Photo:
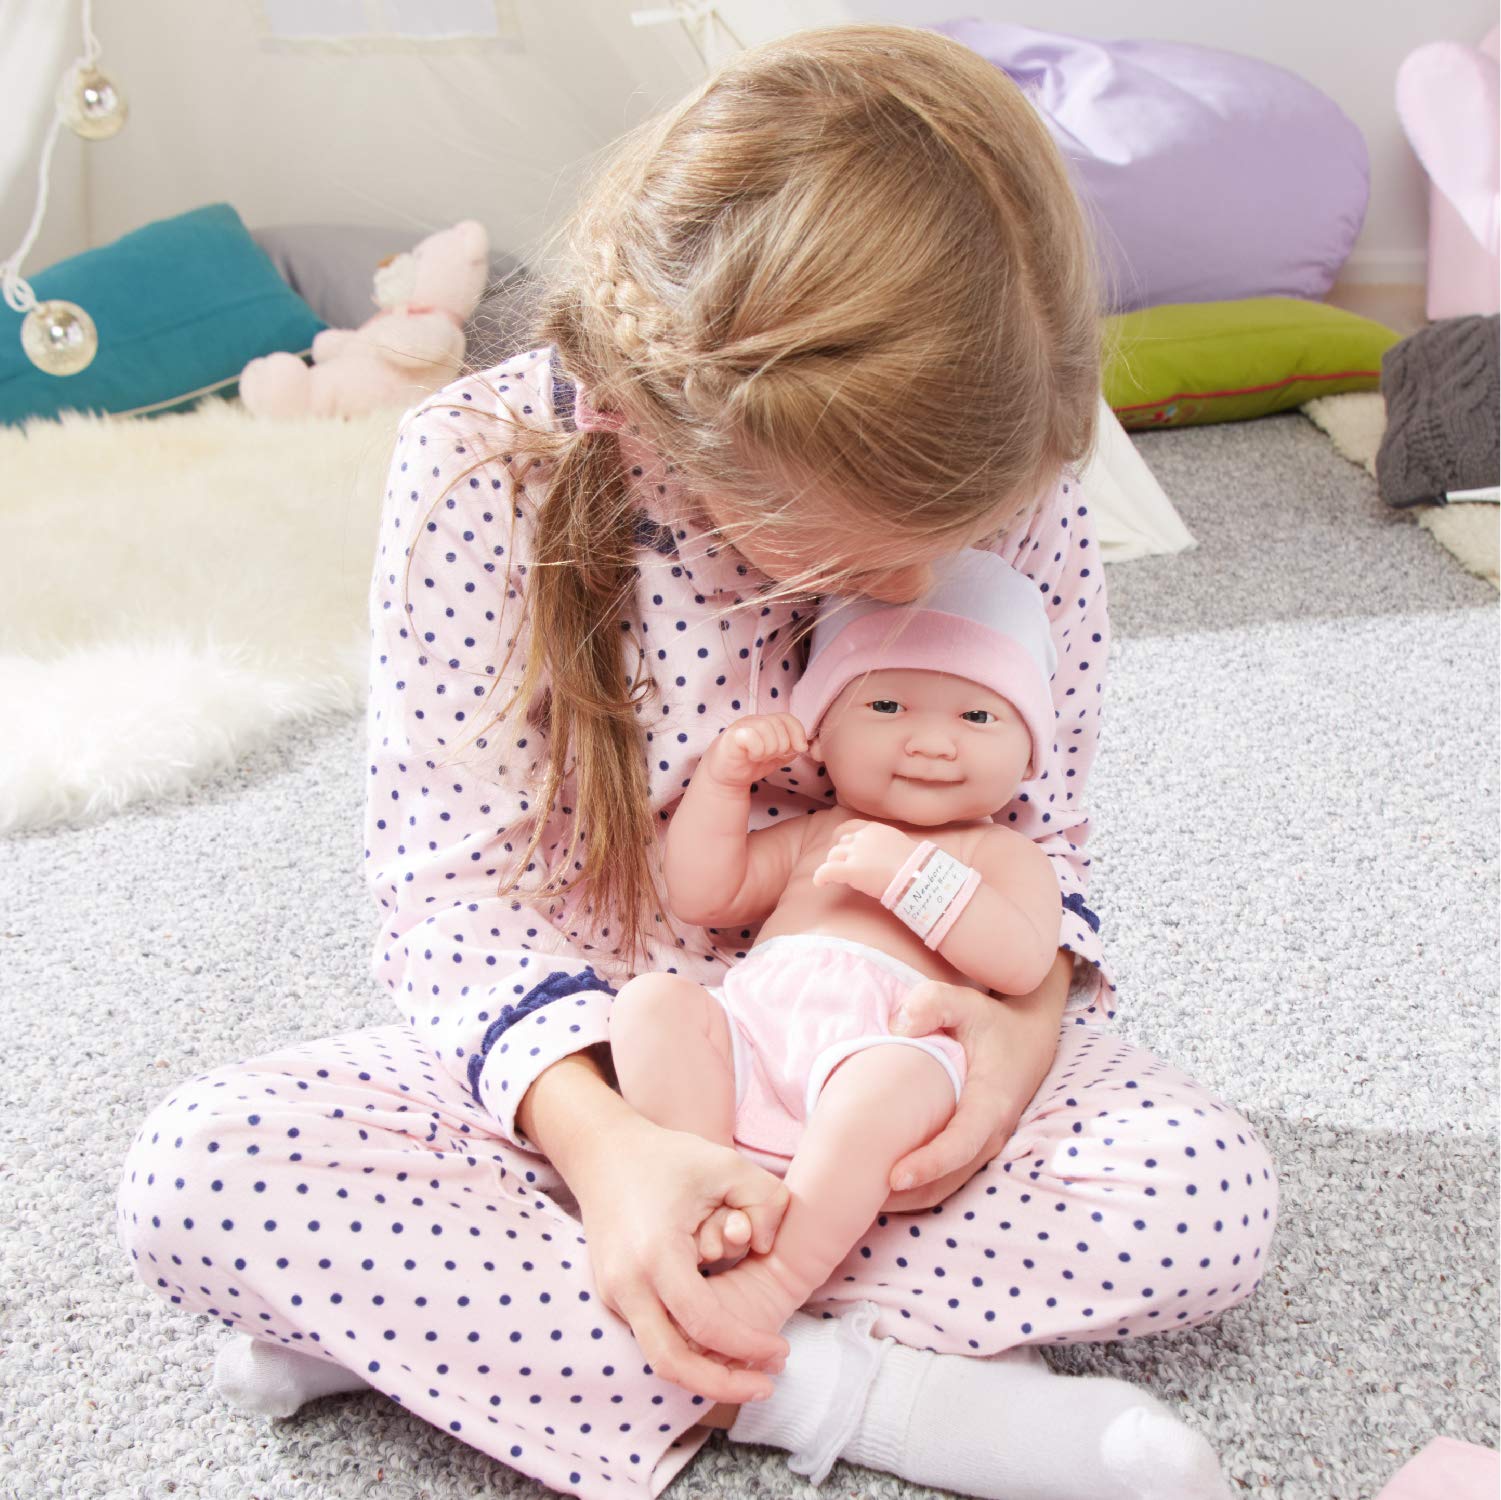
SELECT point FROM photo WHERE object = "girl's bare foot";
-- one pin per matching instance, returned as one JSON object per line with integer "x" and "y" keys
{"x": 722, "y": 1416}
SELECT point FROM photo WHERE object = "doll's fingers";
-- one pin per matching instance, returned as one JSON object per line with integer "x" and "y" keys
{"x": 737, "y": 1227}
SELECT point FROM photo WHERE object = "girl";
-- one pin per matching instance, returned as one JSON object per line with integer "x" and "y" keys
{"x": 838, "y": 318}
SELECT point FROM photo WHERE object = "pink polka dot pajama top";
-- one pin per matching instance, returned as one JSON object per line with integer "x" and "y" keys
{"x": 369, "y": 1196}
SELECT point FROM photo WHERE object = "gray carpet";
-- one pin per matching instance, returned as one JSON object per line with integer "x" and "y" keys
{"x": 1296, "y": 868}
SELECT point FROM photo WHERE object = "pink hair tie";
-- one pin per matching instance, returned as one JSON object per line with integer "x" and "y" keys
{"x": 588, "y": 418}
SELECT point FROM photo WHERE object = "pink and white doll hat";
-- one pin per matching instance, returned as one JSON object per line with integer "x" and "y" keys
{"x": 980, "y": 619}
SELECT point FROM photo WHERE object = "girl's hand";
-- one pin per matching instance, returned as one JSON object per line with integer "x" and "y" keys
{"x": 752, "y": 746}
{"x": 1008, "y": 1055}
{"x": 866, "y": 856}
{"x": 643, "y": 1199}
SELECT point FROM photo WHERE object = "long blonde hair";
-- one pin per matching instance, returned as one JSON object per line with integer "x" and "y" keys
{"x": 850, "y": 262}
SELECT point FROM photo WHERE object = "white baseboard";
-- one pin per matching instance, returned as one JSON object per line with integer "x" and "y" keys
{"x": 1385, "y": 268}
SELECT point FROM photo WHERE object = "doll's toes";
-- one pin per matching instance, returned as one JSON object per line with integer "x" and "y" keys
{"x": 710, "y": 1245}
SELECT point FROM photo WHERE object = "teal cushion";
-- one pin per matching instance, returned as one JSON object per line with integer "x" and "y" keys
{"x": 181, "y": 306}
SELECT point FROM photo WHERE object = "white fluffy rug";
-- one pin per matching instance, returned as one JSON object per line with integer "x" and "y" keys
{"x": 179, "y": 590}
{"x": 175, "y": 592}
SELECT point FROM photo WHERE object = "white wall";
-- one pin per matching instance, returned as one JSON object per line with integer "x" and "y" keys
{"x": 423, "y": 139}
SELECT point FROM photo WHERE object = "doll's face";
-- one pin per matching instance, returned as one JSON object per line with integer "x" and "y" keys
{"x": 915, "y": 746}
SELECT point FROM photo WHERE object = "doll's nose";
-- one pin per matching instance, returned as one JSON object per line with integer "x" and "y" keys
{"x": 931, "y": 742}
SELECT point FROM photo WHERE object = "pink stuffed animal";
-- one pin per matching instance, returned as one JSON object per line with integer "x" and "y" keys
{"x": 414, "y": 345}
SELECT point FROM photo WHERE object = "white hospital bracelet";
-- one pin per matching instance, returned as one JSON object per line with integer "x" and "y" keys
{"x": 938, "y": 882}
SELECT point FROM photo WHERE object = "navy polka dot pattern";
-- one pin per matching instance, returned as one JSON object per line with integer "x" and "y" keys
{"x": 368, "y": 1195}
{"x": 348, "y": 1196}
{"x": 444, "y": 800}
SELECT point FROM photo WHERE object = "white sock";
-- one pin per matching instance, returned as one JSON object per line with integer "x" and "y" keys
{"x": 273, "y": 1380}
{"x": 1006, "y": 1428}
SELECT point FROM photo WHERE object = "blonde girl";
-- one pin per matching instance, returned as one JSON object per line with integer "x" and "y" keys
{"x": 831, "y": 318}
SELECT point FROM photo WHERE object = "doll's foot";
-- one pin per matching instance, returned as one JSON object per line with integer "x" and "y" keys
{"x": 761, "y": 1290}
{"x": 723, "y": 1240}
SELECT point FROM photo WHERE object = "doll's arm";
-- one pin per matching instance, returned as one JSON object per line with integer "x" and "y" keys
{"x": 1007, "y": 935}
{"x": 771, "y": 854}
{"x": 716, "y": 873}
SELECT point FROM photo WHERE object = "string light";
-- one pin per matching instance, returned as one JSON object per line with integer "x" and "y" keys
{"x": 59, "y": 337}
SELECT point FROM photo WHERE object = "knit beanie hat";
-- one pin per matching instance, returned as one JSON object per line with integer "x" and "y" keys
{"x": 980, "y": 620}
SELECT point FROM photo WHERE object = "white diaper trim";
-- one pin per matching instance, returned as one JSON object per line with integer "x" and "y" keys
{"x": 736, "y": 1046}
{"x": 830, "y": 940}
{"x": 831, "y": 1057}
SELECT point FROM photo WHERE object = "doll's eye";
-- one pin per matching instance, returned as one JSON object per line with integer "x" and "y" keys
{"x": 885, "y": 705}
{"x": 970, "y": 711}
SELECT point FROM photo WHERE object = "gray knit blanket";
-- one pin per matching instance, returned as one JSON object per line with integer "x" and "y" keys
{"x": 1443, "y": 389}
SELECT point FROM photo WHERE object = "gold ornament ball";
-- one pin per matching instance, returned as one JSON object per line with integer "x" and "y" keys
{"x": 90, "y": 104}
{"x": 59, "y": 338}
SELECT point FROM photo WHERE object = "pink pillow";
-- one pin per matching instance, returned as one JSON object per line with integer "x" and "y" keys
{"x": 1447, "y": 1470}
{"x": 1447, "y": 98}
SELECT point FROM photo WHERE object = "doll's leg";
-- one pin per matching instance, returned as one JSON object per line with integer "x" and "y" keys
{"x": 670, "y": 1046}
{"x": 878, "y": 1104}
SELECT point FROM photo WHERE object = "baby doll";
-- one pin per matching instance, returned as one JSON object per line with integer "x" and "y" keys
{"x": 927, "y": 718}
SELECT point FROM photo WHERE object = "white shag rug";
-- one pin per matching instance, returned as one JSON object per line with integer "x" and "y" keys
{"x": 180, "y": 590}
{"x": 176, "y": 591}
{"x": 1471, "y": 530}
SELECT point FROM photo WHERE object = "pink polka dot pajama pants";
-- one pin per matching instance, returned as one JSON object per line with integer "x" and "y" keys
{"x": 344, "y": 1196}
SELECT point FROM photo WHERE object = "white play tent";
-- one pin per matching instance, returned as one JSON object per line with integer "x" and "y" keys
{"x": 378, "y": 112}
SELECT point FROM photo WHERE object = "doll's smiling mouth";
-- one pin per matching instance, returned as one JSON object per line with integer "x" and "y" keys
{"x": 931, "y": 780}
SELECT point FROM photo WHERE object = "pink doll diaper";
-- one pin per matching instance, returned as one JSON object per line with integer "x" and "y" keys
{"x": 798, "y": 1005}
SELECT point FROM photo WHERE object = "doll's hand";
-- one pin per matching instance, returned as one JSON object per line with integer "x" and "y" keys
{"x": 752, "y": 746}
{"x": 866, "y": 856}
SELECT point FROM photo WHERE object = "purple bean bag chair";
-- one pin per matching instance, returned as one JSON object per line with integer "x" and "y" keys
{"x": 1210, "y": 176}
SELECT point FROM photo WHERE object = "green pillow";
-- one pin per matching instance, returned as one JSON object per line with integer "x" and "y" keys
{"x": 1190, "y": 362}
{"x": 181, "y": 306}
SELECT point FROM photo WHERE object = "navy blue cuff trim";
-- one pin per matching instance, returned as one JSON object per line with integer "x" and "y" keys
{"x": 544, "y": 992}
{"x": 1076, "y": 905}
